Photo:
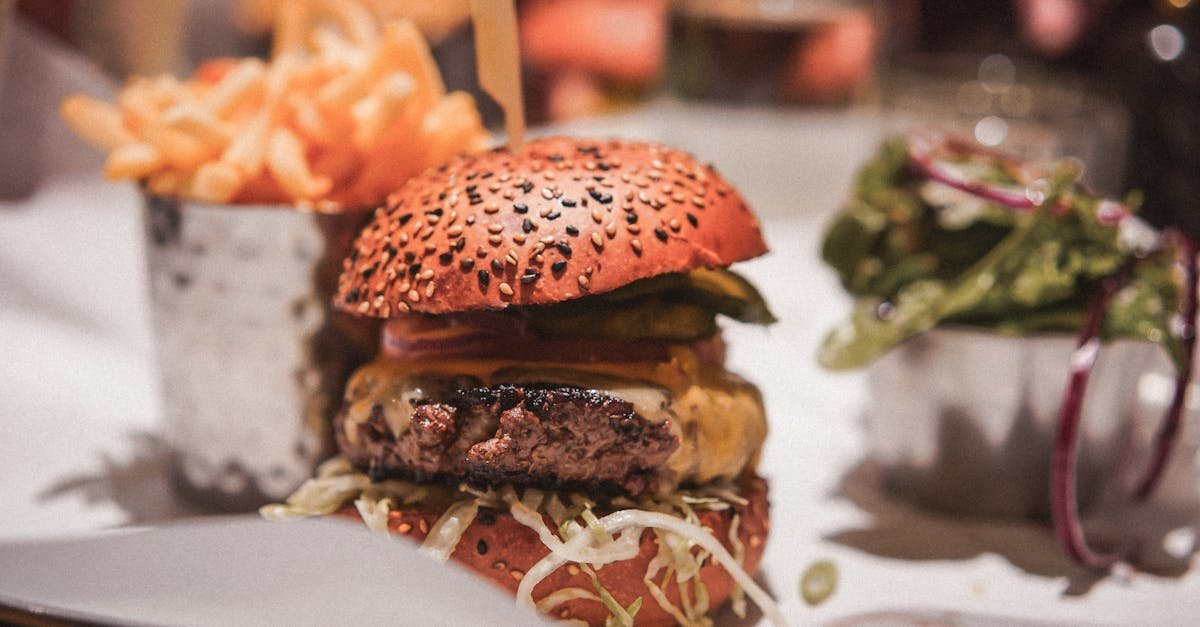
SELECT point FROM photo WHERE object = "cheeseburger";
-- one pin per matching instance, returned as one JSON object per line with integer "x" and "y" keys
{"x": 550, "y": 407}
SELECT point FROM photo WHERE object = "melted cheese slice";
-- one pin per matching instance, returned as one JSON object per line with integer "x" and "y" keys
{"x": 717, "y": 416}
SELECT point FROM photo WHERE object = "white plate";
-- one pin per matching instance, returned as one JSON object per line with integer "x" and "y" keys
{"x": 246, "y": 571}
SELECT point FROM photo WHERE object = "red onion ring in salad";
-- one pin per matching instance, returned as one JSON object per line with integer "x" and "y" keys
{"x": 1169, "y": 431}
{"x": 1063, "y": 499}
{"x": 921, "y": 153}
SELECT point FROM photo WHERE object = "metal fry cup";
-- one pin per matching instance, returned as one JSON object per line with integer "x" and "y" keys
{"x": 252, "y": 355}
{"x": 963, "y": 421}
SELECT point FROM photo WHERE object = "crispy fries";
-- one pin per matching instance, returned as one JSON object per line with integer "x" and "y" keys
{"x": 345, "y": 111}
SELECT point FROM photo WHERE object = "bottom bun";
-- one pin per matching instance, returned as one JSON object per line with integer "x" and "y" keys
{"x": 502, "y": 550}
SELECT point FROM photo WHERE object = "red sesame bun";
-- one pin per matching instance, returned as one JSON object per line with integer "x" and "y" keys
{"x": 559, "y": 219}
{"x": 502, "y": 550}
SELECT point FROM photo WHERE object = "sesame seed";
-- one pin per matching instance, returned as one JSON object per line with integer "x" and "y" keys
{"x": 495, "y": 240}
{"x": 553, "y": 215}
{"x": 518, "y": 238}
{"x": 637, "y": 246}
{"x": 364, "y": 307}
{"x": 558, "y": 266}
{"x": 497, "y": 266}
{"x": 430, "y": 247}
{"x": 470, "y": 220}
{"x": 511, "y": 258}
{"x": 516, "y": 574}
{"x": 530, "y": 275}
{"x": 491, "y": 208}
{"x": 678, "y": 197}
{"x": 506, "y": 289}
{"x": 674, "y": 224}
{"x": 547, "y": 193}
{"x": 583, "y": 281}
{"x": 597, "y": 216}
{"x": 692, "y": 220}
{"x": 429, "y": 289}
{"x": 597, "y": 241}
{"x": 549, "y": 239}
{"x": 611, "y": 229}
{"x": 564, "y": 248}
{"x": 634, "y": 228}
{"x": 455, "y": 230}
{"x": 527, "y": 225}
{"x": 414, "y": 296}
{"x": 403, "y": 307}
{"x": 521, "y": 207}
{"x": 466, "y": 264}
{"x": 483, "y": 277}
{"x": 544, "y": 211}
{"x": 404, "y": 528}
{"x": 660, "y": 234}
{"x": 426, "y": 275}
{"x": 539, "y": 259}
{"x": 446, "y": 257}
{"x": 698, "y": 201}
{"x": 567, "y": 202}
{"x": 495, "y": 228}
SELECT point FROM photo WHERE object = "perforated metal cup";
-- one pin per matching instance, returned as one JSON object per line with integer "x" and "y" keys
{"x": 252, "y": 355}
{"x": 964, "y": 421}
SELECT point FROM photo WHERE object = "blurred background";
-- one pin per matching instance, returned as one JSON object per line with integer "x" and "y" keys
{"x": 1113, "y": 82}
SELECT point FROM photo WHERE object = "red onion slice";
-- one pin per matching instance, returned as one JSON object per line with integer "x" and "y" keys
{"x": 921, "y": 149}
{"x": 1169, "y": 431}
{"x": 1064, "y": 503}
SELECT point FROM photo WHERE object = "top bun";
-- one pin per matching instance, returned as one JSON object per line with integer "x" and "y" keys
{"x": 559, "y": 219}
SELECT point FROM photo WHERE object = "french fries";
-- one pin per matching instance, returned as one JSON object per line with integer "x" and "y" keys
{"x": 342, "y": 114}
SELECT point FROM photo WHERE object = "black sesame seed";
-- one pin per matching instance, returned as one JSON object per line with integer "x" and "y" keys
{"x": 603, "y": 166}
{"x": 660, "y": 234}
{"x": 558, "y": 266}
{"x": 497, "y": 266}
{"x": 446, "y": 257}
{"x": 442, "y": 196}
{"x": 471, "y": 189}
{"x": 409, "y": 256}
{"x": 414, "y": 269}
{"x": 563, "y": 248}
{"x": 553, "y": 215}
{"x": 471, "y": 176}
{"x": 352, "y": 296}
{"x": 692, "y": 220}
{"x": 467, "y": 264}
{"x": 555, "y": 158}
{"x": 486, "y": 175}
{"x": 474, "y": 200}
{"x": 391, "y": 250}
{"x": 527, "y": 187}
{"x": 521, "y": 207}
{"x": 527, "y": 225}
{"x": 631, "y": 217}
{"x": 405, "y": 218}
{"x": 367, "y": 272}
{"x": 483, "y": 277}
{"x": 571, "y": 230}
{"x": 531, "y": 275}
{"x": 434, "y": 212}
{"x": 567, "y": 202}
{"x": 459, "y": 243}
{"x": 481, "y": 547}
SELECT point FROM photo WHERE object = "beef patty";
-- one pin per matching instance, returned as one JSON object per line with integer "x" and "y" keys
{"x": 542, "y": 434}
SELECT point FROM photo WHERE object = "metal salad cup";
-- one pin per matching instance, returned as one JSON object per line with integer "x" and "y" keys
{"x": 252, "y": 355}
{"x": 963, "y": 421}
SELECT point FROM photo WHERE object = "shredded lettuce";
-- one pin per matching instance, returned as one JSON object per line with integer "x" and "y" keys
{"x": 448, "y": 530}
{"x": 582, "y": 537}
{"x": 738, "y": 597}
